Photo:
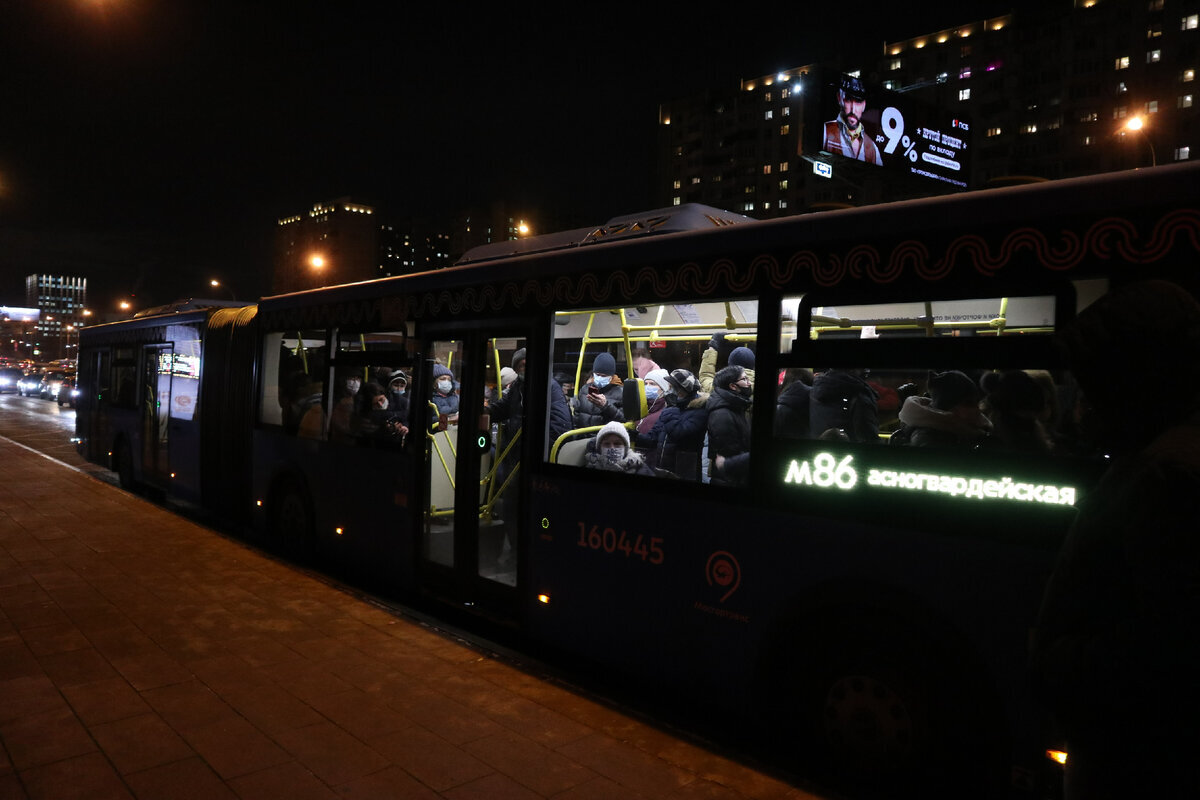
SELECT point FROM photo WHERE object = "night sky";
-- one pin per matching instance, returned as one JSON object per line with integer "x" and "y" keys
{"x": 150, "y": 145}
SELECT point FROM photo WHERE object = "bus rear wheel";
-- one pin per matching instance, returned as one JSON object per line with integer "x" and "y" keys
{"x": 291, "y": 520}
{"x": 123, "y": 465}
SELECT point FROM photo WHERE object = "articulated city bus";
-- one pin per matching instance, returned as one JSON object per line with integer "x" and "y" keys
{"x": 856, "y": 604}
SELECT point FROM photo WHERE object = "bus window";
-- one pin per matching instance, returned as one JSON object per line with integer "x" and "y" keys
{"x": 668, "y": 435}
{"x": 294, "y": 369}
{"x": 124, "y": 377}
{"x": 185, "y": 370}
{"x": 371, "y": 392}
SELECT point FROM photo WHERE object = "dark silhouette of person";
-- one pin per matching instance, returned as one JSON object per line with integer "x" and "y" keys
{"x": 1116, "y": 649}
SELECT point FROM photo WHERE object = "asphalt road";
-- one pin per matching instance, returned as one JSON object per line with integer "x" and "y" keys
{"x": 44, "y": 426}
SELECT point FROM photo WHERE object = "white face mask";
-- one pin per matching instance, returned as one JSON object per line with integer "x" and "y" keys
{"x": 613, "y": 454}
{"x": 352, "y": 386}
{"x": 443, "y": 386}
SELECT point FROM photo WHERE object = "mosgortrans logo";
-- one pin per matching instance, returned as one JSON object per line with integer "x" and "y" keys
{"x": 827, "y": 471}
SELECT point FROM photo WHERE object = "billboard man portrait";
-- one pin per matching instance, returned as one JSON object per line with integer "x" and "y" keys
{"x": 845, "y": 135}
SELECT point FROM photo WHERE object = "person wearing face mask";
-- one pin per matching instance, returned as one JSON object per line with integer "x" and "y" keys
{"x": 444, "y": 396}
{"x": 729, "y": 425}
{"x": 343, "y": 419}
{"x": 397, "y": 393}
{"x": 610, "y": 450}
{"x": 678, "y": 435}
{"x": 657, "y": 392}
{"x": 599, "y": 400}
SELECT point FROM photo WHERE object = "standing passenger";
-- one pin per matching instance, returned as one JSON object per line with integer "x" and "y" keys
{"x": 599, "y": 400}
{"x": 679, "y": 433}
{"x": 729, "y": 425}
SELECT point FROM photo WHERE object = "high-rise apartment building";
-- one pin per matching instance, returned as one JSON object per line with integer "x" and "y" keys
{"x": 333, "y": 242}
{"x": 1045, "y": 93}
{"x": 61, "y": 301}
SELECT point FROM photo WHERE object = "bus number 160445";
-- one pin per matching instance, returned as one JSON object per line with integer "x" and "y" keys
{"x": 611, "y": 541}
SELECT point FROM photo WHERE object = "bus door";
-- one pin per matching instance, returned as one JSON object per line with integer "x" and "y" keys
{"x": 470, "y": 544}
{"x": 156, "y": 403}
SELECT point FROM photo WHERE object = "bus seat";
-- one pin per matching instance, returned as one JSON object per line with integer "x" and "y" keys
{"x": 572, "y": 453}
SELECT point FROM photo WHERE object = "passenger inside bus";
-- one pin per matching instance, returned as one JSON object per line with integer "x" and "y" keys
{"x": 599, "y": 399}
{"x": 729, "y": 425}
{"x": 343, "y": 419}
{"x": 676, "y": 441}
{"x": 843, "y": 400}
{"x": 1018, "y": 407}
{"x": 445, "y": 394}
{"x": 610, "y": 451}
{"x": 949, "y": 417}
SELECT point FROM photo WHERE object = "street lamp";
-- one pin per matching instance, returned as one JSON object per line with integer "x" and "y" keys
{"x": 1138, "y": 125}
{"x": 216, "y": 284}
{"x": 316, "y": 261}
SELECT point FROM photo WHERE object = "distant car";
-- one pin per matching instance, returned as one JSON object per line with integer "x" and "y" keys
{"x": 9, "y": 378}
{"x": 30, "y": 385}
{"x": 68, "y": 391}
{"x": 50, "y": 385}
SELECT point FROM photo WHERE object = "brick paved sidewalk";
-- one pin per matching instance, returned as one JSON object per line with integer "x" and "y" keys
{"x": 142, "y": 655}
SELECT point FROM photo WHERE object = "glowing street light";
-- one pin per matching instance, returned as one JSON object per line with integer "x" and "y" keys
{"x": 316, "y": 261}
{"x": 1138, "y": 125}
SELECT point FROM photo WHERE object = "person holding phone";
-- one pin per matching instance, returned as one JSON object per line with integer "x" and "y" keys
{"x": 599, "y": 399}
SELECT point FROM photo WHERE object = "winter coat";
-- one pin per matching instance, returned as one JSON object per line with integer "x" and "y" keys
{"x": 926, "y": 426}
{"x": 632, "y": 464}
{"x": 708, "y": 370}
{"x": 792, "y": 411}
{"x": 846, "y": 401}
{"x": 588, "y": 414}
{"x": 646, "y": 424}
{"x": 728, "y": 425}
{"x": 677, "y": 439}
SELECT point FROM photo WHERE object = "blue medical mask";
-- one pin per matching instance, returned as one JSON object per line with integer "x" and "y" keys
{"x": 652, "y": 392}
{"x": 601, "y": 380}
{"x": 444, "y": 385}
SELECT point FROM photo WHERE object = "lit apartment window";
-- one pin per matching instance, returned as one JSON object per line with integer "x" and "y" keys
{"x": 783, "y": 185}
{"x": 783, "y": 166}
{"x": 769, "y": 114}
{"x": 1089, "y": 116}
{"x": 1121, "y": 87}
{"x": 1187, "y": 76}
{"x": 994, "y": 132}
{"x": 1153, "y": 56}
{"x": 786, "y": 111}
{"x": 1152, "y": 107}
{"x": 1088, "y": 140}
{"x": 1183, "y": 153}
{"x": 1184, "y": 101}
{"x": 767, "y": 97}
{"x": 784, "y": 130}
{"x": 891, "y": 85}
{"x": 1154, "y": 31}
{"x": 1123, "y": 62}
{"x": 1029, "y": 127}
{"x": 747, "y": 206}
{"x": 785, "y": 94}
{"x": 964, "y": 73}
{"x": 766, "y": 169}
{"x": 783, "y": 204}
{"x": 894, "y": 64}
{"x": 1190, "y": 22}
{"x": 675, "y": 184}
{"x": 674, "y": 201}
{"x": 964, "y": 94}
{"x": 695, "y": 180}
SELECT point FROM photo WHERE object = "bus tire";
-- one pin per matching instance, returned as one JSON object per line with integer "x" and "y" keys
{"x": 876, "y": 705}
{"x": 123, "y": 465}
{"x": 291, "y": 524}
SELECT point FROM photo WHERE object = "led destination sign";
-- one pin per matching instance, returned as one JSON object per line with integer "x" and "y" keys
{"x": 888, "y": 129}
{"x": 827, "y": 471}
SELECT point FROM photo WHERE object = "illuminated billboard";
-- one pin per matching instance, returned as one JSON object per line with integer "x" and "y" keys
{"x": 870, "y": 124}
